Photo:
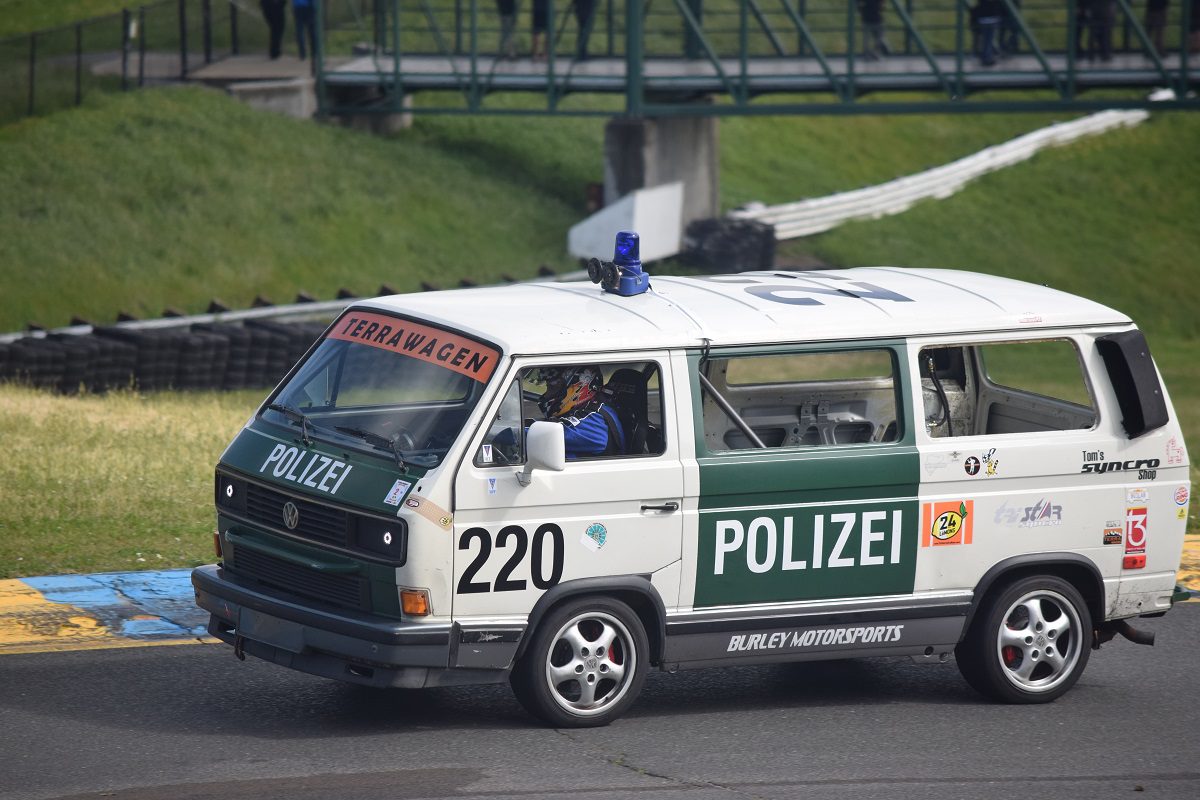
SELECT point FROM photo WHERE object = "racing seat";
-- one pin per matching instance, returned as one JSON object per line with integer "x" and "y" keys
{"x": 626, "y": 393}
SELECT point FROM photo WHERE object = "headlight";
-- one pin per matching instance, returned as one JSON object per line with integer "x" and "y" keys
{"x": 385, "y": 537}
{"x": 231, "y": 494}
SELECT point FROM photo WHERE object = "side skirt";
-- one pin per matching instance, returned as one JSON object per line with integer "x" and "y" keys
{"x": 927, "y": 631}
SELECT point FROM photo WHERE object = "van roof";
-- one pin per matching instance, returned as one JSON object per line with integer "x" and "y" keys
{"x": 748, "y": 308}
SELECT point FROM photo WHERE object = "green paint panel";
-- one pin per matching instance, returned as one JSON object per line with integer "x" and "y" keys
{"x": 381, "y": 578}
{"x": 323, "y": 471}
{"x": 806, "y": 553}
{"x": 851, "y": 472}
{"x": 833, "y": 494}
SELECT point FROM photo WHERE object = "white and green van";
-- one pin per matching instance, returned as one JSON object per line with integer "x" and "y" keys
{"x": 816, "y": 465}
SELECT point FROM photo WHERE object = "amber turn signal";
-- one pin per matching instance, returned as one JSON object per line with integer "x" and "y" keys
{"x": 1134, "y": 562}
{"x": 414, "y": 602}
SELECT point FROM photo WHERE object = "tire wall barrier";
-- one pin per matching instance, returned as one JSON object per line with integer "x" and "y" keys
{"x": 254, "y": 354}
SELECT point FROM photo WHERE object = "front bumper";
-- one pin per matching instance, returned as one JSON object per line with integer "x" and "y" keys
{"x": 333, "y": 643}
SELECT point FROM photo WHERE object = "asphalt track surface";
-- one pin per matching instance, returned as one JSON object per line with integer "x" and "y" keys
{"x": 191, "y": 722}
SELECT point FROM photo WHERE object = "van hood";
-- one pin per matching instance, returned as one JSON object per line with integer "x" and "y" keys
{"x": 321, "y": 470}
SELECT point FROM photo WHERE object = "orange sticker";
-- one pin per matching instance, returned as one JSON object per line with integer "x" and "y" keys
{"x": 412, "y": 339}
{"x": 950, "y": 522}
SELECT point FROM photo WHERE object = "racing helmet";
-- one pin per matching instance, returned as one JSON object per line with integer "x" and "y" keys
{"x": 569, "y": 389}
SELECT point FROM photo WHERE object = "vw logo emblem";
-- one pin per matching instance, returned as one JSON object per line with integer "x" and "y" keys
{"x": 291, "y": 515}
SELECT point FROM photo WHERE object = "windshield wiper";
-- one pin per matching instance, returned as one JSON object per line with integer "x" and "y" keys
{"x": 370, "y": 437}
{"x": 297, "y": 416}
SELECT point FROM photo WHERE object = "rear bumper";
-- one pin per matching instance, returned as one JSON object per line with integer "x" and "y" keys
{"x": 333, "y": 643}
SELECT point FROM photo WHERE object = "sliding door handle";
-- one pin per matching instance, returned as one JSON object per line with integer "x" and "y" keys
{"x": 665, "y": 508}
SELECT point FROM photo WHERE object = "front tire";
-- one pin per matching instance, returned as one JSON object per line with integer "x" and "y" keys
{"x": 585, "y": 665}
{"x": 1029, "y": 642}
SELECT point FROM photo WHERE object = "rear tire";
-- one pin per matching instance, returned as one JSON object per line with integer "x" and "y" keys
{"x": 585, "y": 665}
{"x": 1029, "y": 643}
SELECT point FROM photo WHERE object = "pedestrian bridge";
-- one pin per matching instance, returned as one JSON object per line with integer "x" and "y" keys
{"x": 727, "y": 57}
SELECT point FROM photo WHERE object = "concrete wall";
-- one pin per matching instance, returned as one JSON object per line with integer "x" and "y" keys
{"x": 295, "y": 97}
{"x": 643, "y": 153}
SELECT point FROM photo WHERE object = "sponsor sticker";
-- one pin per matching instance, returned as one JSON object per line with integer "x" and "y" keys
{"x": 397, "y": 493}
{"x": 486, "y": 457}
{"x": 1113, "y": 535}
{"x": 1135, "y": 530}
{"x": 1137, "y": 496}
{"x": 1181, "y": 496}
{"x": 430, "y": 511}
{"x": 1174, "y": 451}
{"x": 946, "y": 523}
{"x": 940, "y": 461}
{"x": 594, "y": 537}
{"x": 1094, "y": 464}
{"x": 1045, "y": 513}
{"x": 1181, "y": 513}
{"x": 971, "y": 465}
{"x": 491, "y": 485}
{"x": 815, "y": 638}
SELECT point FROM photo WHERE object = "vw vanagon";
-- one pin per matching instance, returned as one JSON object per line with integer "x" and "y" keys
{"x": 812, "y": 465}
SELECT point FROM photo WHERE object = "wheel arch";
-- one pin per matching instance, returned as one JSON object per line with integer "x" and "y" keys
{"x": 1077, "y": 570}
{"x": 635, "y": 591}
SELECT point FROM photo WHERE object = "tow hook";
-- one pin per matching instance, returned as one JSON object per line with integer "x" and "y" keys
{"x": 1121, "y": 626}
{"x": 239, "y": 647}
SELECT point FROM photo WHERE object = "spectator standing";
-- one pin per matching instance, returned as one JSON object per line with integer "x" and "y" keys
{"x": 989, "y": 14}
{"x": 1010, "y": 30}
{"x": 275, "y": 13}
{"x": 507, "y": 9}
{"x": 305, "y": 15}
{"x": 1103, "y": 14}
{"x": 874, "y": 43}
{"x": 1156, "y": 23}
{"x": 1194, "y": 28}
{"x": 585, "y": 14}
{"x": 1083, "y": 16}
{"x": 541, "y": 14}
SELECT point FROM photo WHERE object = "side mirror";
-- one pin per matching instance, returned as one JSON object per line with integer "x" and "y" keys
{"x": 545, "y": 448}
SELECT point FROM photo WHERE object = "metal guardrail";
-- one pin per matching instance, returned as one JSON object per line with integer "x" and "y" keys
{"x": 816, "y": 215}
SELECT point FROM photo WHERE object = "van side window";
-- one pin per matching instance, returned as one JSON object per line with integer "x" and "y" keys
{"x": 800, "y": 400}
{"x": 1005, "y": 387}
{"x": 609, "y": 410}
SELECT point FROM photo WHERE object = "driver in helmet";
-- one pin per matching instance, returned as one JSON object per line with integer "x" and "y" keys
{"x": 574, "y": 396}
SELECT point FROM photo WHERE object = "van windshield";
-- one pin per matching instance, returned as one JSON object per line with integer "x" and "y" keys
{"x": 382, "y": 383}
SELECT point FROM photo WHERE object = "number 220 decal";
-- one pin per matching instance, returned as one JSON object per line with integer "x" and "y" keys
{"x": 513, "y": 536}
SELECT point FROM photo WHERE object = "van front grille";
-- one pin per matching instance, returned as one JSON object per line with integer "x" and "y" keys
{"x": 317, "y": 522}
{"x": 341, "y": 590}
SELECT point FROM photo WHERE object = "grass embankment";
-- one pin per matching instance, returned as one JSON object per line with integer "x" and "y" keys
{"x": 171, "y": 197}
{"x": 24, "y": 16}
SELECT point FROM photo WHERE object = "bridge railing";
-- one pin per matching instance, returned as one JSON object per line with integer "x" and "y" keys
{"x": 433, "y": 27}
{"x": 724, "y": 48}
